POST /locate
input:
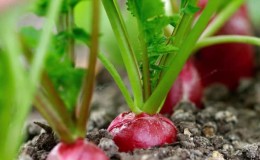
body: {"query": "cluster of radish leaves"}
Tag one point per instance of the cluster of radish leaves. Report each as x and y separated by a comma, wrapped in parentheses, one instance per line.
(65, 78)
(63, 87)
(154, 68)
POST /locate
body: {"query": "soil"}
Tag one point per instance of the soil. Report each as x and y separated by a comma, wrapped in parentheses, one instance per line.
(227, 128)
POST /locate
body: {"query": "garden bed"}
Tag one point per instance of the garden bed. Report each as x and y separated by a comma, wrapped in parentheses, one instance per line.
(227, 128)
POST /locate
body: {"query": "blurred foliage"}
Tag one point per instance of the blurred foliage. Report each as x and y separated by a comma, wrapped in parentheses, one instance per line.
(67, 79)
(41, 6)
(253, 9)
(6, 89)
(108, 42)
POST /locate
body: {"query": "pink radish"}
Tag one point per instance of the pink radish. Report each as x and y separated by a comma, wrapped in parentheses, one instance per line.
(79, 150)
(228, 63)
(187, 87)
(131, 131)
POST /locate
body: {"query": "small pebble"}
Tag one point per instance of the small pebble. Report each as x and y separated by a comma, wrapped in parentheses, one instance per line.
(201, 141)
(217, 141)
(209, 129)
(187, 132)
(225, 116)
(216, 156)
(109, 146)
(251, 150)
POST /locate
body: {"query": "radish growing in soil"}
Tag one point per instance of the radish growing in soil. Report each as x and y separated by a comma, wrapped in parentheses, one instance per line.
(73, 146)
(152, 72)
(79, 150)
(141, 131)
(68, 123)
(151, 76)
(229, 62)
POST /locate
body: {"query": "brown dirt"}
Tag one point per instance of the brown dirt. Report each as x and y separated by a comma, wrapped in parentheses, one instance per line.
(227, 128)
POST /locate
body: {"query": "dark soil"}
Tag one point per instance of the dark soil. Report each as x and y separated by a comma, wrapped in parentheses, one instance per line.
(227, 128)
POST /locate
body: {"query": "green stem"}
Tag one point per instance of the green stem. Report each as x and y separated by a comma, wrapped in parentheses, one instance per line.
(127, 53)
(19, 100)
(179, 33)
(145, 58)
(53, 118)
(226, 39)
(82, 113)
(153, 103)
(174, 6)
(145, 70)
(221, 18)
(113, 72)
(61, 23)
(58, 104)
(41, 51)
(71, 41)
(37, 65)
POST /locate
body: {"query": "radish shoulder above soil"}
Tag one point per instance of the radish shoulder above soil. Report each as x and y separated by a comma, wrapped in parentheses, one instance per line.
(79, 150)
(131, 131)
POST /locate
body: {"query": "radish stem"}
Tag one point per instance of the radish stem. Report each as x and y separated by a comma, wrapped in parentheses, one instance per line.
(222, 17)
(113, 72)
(82, 112)
(53, 118)
(226, 39)
(71, 41)
(128, 56)
(152, 104)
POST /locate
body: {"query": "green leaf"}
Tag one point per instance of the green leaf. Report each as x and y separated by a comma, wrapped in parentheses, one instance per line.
(41, 6)
(150, 16)
(67, 79)
(81, 35)
(6, 93)
(30, 36)
(152, 20)
(183, 3)
(67, 4)
(174, 19)
(145, 9)
(190, 9)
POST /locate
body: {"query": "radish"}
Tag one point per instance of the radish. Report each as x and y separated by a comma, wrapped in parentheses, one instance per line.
(187, 87)
(70, 124)
(227, 63)
(79, 150)
(131, 131)
(143, 127)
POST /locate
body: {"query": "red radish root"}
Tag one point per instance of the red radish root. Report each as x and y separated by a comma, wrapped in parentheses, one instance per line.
(187, 87)
(228, 63)
(80, 150)
(132, 131)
